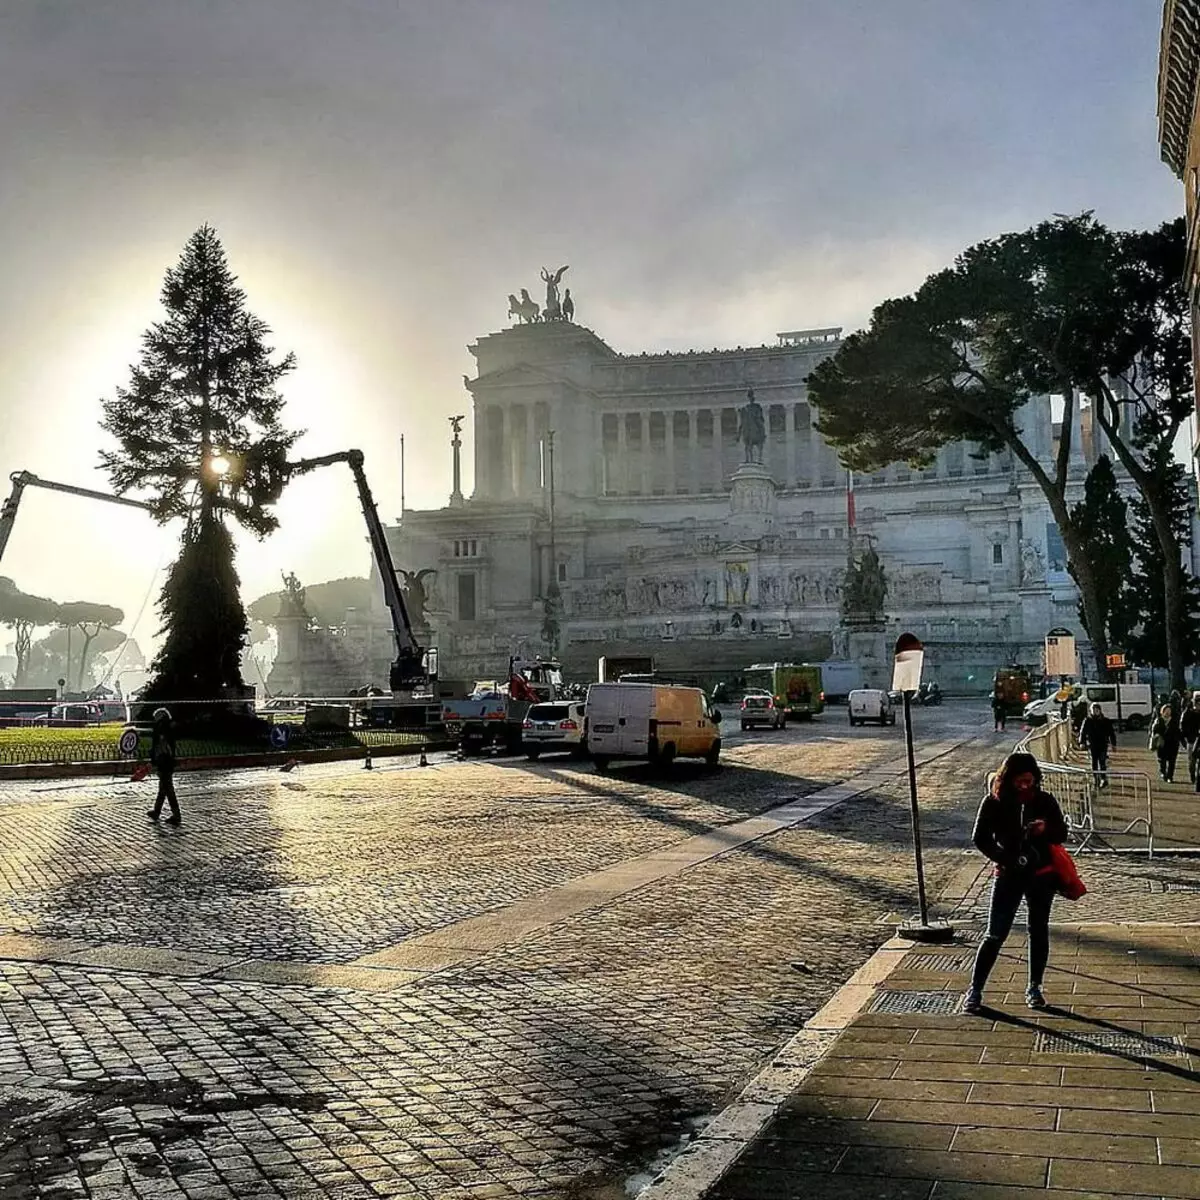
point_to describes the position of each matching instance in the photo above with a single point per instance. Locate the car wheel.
(667, 756)
(601, 761)
(533, 755)
(745, 726)
(713, 757)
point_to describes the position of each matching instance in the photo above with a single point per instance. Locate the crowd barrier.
(1110, 811)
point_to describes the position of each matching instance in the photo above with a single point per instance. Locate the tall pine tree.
(199, 427)
(1145, 596)
(1102, 518)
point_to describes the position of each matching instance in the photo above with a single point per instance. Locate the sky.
(384, 172)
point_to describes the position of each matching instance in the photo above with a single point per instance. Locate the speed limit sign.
(129, 742)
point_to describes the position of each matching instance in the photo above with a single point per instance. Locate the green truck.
(796, 687)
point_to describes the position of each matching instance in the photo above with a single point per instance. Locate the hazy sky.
(383, 174)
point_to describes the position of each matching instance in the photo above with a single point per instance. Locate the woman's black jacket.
(1000, 831)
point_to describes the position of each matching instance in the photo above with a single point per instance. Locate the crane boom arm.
(23, 479)
(408, 669)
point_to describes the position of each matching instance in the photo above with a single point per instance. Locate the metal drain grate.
(1181, 887)
(1109, 1043)
(937, 1003)
(937, 962)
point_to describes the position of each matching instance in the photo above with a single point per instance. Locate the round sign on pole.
(129, 742)
(279, 736)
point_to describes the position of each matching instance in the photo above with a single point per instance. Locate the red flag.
(519, 689)
(850, 499)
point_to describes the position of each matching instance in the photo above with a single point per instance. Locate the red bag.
(1066, 877)
(140, 772)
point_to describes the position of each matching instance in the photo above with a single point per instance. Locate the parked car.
(871, 704)
(554, 726)
(760, 709)
(659, 722)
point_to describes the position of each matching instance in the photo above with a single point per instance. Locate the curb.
(123, 767)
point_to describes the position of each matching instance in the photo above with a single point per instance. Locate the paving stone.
(896, 1162)
(998, 1116)
(753, 1184)
(1140, 1178)
(1059, 1145)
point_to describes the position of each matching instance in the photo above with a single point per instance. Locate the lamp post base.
(928, 931)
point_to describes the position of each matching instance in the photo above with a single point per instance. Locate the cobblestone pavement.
(545, 1061)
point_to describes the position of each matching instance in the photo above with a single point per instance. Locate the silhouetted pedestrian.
(1189, 735)
(1164, 741)
(1098, 734)
(999, 715)
(163, 759)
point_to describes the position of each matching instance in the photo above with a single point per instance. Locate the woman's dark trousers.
(166, 792)
(1007, 891)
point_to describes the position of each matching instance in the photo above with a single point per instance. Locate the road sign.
(906, 671)
(279, 736)
(1115, 662)
(129, 742)
(1060, 652)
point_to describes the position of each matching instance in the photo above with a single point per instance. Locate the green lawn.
(98, 743)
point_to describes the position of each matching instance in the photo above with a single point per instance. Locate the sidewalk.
(1099, 1096)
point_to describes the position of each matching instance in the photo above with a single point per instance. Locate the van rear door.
(633, 721)
(602, 713)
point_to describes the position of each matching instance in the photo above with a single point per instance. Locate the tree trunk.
(1149, 480)
(83, 655)
(1085, 579)
(24, 632)
(1172, 588)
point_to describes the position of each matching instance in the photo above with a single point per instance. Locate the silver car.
(556, 725)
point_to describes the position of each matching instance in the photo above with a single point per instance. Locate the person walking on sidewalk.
(1164, 741)
(1017, 824)
(1098, 735)
(1189, 735)
(162, 759)
(999, 716)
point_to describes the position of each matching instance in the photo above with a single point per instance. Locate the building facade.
(1179, 141)
(613, 512)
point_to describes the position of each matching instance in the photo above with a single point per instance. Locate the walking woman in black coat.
(162, 759)
(1016, 826)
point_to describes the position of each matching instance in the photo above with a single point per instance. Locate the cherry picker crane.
(23, 479)
(413, 672)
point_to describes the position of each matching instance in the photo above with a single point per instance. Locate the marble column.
(504, 482)
(789, 448)
(691, 475)
(669, 485)
(621, 466)
(644, 458)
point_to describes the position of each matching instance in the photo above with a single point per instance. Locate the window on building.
(562, 572)
(997, 554)
(704, 427)
(466, 596)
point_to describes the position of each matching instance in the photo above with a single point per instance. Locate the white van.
(1137, 704)
(653, 721)
(871, 704)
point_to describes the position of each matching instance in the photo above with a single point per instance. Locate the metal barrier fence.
(1049, 743)
(1110, 811)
